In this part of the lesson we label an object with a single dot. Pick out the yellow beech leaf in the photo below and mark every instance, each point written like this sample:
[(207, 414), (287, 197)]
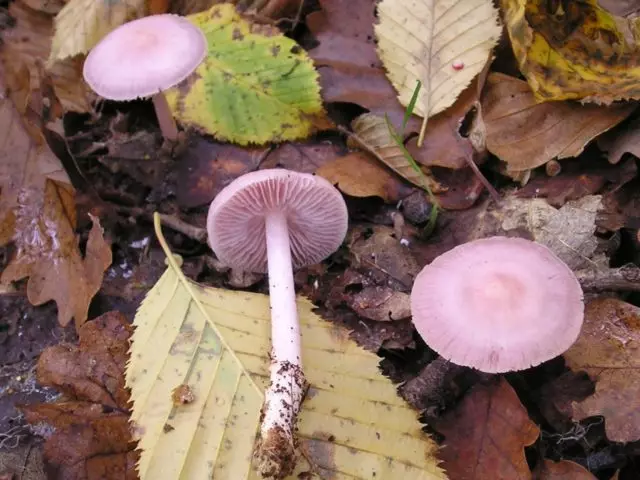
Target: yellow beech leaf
[(81, 24), (254, 86), (443, 44), (575, 51), (198, 369)]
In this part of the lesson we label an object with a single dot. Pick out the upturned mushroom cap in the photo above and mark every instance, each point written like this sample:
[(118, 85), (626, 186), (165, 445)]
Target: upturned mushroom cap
[(144, 57), (498, 304), (316, 216)]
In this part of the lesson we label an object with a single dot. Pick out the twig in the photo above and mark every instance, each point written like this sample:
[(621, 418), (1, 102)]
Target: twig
[(197, 233), (623, 278)]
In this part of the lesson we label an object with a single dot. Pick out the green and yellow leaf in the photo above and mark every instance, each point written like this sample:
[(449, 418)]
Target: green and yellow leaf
[(442, 43), (575, 51), (214, 345), (81, 24), (254, 86)]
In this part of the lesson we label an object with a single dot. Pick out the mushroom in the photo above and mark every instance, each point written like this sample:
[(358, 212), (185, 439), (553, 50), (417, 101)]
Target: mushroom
[(498, 304), (273, 221), (143, 58)]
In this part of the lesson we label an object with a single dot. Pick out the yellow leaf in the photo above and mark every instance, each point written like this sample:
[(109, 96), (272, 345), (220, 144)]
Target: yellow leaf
[(577, 52), (254, 86), (443, 44), (216, 342), (81, 24)]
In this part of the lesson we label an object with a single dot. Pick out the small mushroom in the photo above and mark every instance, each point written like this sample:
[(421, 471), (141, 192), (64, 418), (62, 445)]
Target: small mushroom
[(143, 58), (274, 221), (498, 304)]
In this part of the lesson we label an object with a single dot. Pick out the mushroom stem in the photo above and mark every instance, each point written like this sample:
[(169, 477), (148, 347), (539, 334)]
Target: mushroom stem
[(276, 448), (166, 121)]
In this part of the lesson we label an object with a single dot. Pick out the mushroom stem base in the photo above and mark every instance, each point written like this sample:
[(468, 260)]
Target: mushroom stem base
[(276, 449)]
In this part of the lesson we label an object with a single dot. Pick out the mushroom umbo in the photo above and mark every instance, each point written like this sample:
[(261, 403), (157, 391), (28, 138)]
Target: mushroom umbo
[(144, 57), (274, 221), (498, 304)]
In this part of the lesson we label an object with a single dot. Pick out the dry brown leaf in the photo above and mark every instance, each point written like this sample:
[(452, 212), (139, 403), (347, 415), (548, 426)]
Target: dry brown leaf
[(622, 8), (382, 304), (360, 176), (28, 43), (302, 157), (616, 143), (608, 349), (36, 193), (486, 434), (526, 134), (87, 435), (267, 9), (563, 470)]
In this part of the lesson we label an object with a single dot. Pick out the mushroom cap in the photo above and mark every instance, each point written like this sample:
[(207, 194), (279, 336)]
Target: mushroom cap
[(315, 210), (498, 304), (144, 57)]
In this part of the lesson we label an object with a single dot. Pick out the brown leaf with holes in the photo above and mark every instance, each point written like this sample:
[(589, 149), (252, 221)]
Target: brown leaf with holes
[(563, 470), (37, 211), (87, 433), (526, 134), (485, 435), (28, 43), (358, 175), (608, 349)]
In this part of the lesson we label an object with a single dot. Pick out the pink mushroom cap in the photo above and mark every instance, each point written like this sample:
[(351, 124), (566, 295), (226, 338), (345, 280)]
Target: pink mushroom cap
[(144, 57), (316, 215), (498, 304)]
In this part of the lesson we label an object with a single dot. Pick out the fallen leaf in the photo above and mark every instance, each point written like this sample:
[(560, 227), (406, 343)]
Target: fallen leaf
[(555, 397), (381, 304), (360, 176), (563, 470), (579, 52), (616, 143), (526, 134), (452, 48), (22, 463), (28, 44), (485, 435), (206, 167), (620, 208), (87, 434), (622, 8), (81, 24), (259, 9), (228, 97), (372, 133), (608, 349), (302, 157), (352, 420)]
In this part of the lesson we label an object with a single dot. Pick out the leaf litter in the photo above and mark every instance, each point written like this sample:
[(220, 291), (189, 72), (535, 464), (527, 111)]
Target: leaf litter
[(566, 173)]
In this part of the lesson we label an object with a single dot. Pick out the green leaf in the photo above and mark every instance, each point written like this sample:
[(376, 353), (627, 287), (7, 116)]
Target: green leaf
[(352, 424), (412, 105), (254, 86)]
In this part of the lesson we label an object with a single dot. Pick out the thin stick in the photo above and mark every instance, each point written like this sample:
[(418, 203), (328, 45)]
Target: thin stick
[(623, 278), (196, 233)]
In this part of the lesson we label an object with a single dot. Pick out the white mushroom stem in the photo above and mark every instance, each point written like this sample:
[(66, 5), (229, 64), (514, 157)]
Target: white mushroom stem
[(276, 450), (166, 121)]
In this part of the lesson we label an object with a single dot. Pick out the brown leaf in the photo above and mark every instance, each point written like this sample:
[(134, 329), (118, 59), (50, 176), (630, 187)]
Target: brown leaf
[(618, 141), (486, 435), (206, 167), (267, 9), (22, 463), (622, 8), (526, 134), (302, 157), (381, 304), (28, 43), (563, 470), (88, 434), (360, 176), (608, 349)]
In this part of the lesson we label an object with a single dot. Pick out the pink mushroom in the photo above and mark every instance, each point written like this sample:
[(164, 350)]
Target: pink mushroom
[(273, 221), (143, 58), (498, 304)]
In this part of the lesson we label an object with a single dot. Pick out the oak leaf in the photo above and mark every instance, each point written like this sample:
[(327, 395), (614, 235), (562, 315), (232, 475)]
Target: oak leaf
[(443, 44), (485, 435), (575, 51), (37, 211), (608, 349), (87, 433), (526, 134)]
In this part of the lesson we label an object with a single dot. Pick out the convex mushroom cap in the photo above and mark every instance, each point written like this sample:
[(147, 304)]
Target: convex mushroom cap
[(316, 216), (144, 57), (498, 304)]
